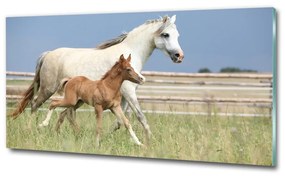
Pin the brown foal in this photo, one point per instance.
(101, 94)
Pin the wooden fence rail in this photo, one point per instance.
(208, 75)
(170, 84)
(181, 99)
(197, 92)
(175, 74)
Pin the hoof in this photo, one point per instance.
(143, 146)
(43, 124)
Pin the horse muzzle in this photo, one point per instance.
(177, 57)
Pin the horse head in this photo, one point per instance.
(166, 39)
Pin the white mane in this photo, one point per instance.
(166, 22)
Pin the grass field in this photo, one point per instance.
(230, 138)
(239, 140)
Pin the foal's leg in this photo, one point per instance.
(53, 105)
(99, 116)
(71, 116)
(118, 122)
(65, 102)
(120, 115)
(67, 112)
(60, 119)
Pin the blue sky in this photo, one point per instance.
(209, 38)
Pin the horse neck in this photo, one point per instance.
(113, 80)
(141, 41)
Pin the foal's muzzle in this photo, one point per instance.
(141, 80)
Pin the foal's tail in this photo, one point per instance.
(62, 85)
(29, 94)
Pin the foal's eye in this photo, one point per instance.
(164, 35)
(129, 69)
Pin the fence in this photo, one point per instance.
(185, 93)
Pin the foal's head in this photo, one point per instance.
(128, 71)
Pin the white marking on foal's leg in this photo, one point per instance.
(46, 121)
(97, 141)
(120, 116)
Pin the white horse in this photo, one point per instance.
(93, 63)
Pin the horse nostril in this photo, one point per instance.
(177, 55)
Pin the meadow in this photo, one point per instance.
(223, 132)
(230, 139)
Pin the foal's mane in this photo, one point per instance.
(124, 35)
(117, 64)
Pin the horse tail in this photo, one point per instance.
(29, 94)
(62, 85)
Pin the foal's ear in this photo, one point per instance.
(122, 58)
(129, 58)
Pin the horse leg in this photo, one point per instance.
(60, 120)
(67, 112)
(120, 115)
(65, 102)
(43, 95)
(47, 119)
(99, 116)
(125, 106)
(134, 104)
(72, 116)
(118, 122)
(128, 110)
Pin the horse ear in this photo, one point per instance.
(122, 57)
(173, 19)
(129, 58)
(165, 18)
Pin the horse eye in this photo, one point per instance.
(165, 35)
(129, 69)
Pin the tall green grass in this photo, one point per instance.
(239, 140)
